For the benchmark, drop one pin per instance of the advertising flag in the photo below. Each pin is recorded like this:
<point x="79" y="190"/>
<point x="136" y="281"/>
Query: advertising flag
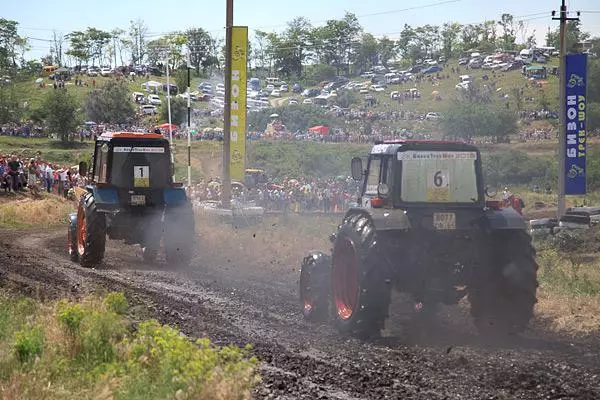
<point x="575" y="134"/>
<point x="239" y="48"/>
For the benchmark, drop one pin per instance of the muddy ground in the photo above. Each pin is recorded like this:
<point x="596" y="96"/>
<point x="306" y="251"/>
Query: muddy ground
<point x="248" y="304"/>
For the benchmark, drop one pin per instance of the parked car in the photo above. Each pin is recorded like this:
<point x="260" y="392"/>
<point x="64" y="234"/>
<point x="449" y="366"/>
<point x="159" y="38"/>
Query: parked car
<point x="463" y="61"/>
<point x="93" y="71"/>
<point x="432" y="116"/>
<point x="377" y="88"/>
<point x="297" y="88"/>
<point x="307" y="101"/>
<point x="148" y="109"/>
<point x="431" y="70"/>
<point x="293" y="102"/>
<point x="154" y="99"/>
<point x="276" y="93"/>
<point x="284" y="88"/>
<point x="106" y="71"/>
<point x="311" y="92"/>
<point x="269" y="88"/>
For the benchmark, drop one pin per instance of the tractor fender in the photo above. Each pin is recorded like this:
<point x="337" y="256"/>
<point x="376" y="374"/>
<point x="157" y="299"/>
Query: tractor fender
<point x="384" y="219"/>
<point x="174" y="196"/>
<point x="505" y="218"/>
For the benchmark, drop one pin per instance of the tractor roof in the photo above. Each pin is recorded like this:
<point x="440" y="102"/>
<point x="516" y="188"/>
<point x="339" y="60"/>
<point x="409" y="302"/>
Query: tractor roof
<point x="393" y="146"/>
<point x="130" y="135"/>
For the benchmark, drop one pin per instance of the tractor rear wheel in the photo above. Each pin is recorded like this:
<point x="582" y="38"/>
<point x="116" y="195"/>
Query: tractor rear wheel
<point x="315" y="284"/>
<point x="179" y="235"/>
<point x="91" y="233"/>
<point x="359" y="286"/>
<point x="503" y="292"/>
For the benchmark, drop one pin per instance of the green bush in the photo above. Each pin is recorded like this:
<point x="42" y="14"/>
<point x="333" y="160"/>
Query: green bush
<point x="70" y="317"/>
<point x="100" y="331"/>
<point x="29" y="343"/>
<point x="116" y="302"/>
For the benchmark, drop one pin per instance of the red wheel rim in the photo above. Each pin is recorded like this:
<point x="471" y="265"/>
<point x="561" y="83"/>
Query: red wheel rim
<point x="305" y="295"/>
<point x="81" y="232"/>
<point x="345" y="279"/>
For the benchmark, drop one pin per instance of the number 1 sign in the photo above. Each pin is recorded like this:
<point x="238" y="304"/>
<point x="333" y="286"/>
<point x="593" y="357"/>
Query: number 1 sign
<point x="141" y="176"/>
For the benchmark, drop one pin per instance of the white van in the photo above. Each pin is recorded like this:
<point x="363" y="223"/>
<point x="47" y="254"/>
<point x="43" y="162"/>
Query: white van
<point x="273" y="81"/>
<point x="526" y="54"/>
<point x="391" y="78"/>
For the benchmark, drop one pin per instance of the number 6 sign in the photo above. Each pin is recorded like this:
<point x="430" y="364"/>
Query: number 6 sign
<point x="438" y="185"/>
<point x="141" y="176"/>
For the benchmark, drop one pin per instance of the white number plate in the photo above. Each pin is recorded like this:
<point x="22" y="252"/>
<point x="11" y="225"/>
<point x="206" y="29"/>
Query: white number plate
<point x="444" y="221"/>
<point x="138" y="200"/>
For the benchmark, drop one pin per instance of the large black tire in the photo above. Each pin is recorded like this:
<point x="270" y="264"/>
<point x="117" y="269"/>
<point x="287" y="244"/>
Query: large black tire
<point x="315" y="284"/>
<point x="360" y="286"/>
<point x="179" y="235"/>
<point x="151" y="234"/>
<point x="91" y="233"/>
<point x="503" y="291"/>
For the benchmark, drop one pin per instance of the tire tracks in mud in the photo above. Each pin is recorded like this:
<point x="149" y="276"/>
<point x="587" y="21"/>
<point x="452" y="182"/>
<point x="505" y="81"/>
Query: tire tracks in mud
<point x="299" y="360"/>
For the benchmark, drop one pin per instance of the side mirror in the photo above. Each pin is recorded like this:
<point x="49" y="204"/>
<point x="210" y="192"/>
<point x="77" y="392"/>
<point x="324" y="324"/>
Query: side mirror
<point x="357" y="169"/>
<point x="83" y="168"/>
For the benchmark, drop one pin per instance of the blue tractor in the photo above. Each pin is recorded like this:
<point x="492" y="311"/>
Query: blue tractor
<point x="131" y="196"/>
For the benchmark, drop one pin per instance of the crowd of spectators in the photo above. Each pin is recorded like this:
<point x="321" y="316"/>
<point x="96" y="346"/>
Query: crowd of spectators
<point x="37" y="175"/>
<point x="303" y="195"/>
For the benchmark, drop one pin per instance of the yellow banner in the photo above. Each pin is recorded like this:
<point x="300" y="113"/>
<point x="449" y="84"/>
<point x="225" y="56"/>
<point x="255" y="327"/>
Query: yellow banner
<point x="239" y="46"/>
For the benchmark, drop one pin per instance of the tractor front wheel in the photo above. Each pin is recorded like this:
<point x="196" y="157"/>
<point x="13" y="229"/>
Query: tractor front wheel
<point x="359" y="286"/>
<point x="315" y="283"/>
<point x="91" y="233"/>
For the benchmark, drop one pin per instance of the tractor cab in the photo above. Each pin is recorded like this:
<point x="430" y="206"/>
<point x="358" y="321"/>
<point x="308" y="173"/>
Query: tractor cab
<point x="407" y="174"/>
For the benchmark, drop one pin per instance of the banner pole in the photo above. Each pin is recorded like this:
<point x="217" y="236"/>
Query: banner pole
<point x="226" y="184"/>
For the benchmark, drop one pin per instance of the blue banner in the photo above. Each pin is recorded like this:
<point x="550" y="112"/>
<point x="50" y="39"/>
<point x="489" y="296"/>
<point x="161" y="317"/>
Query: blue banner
<point x="575" y="134"/>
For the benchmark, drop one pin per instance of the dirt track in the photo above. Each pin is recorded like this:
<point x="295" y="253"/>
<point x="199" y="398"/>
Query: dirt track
<point x="245" y="304"/>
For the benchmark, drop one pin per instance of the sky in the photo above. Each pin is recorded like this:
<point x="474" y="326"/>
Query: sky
<point x="38" y="18"/>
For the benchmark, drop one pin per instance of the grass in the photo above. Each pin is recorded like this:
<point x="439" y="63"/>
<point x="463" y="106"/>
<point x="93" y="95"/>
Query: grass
<point x="90" y="349"/>
<point x="569" y="292"/>
<point x="21" y="211"/>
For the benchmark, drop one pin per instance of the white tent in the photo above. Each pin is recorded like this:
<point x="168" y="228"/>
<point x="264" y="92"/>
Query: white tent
<point x="147" y="86"/>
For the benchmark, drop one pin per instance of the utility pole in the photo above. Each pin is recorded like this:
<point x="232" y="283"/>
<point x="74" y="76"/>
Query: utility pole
<point x="169" y="112"/>
<point x="226" y="184"/>
<point x="189" y="118"/>
<point x="562" y="99"/>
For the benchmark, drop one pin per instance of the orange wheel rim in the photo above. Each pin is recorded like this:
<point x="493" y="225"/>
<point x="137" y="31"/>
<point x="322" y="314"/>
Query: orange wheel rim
<point x="81" y="232"/>
<point x="345" y="279"/>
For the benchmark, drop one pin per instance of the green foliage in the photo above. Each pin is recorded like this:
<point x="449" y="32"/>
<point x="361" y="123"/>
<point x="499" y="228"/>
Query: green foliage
<point x="181" y="79"/>
<point x="318" y="73"/>
<point x="110" y="104"/>
<point x="178" y="111"/>
<point x="116" y="302"/>
<point x="294" y="118"/>
<point x="304" y="158"/>
<point x="88" y="349"/>
<point x="70" y="317"/>
<point x="565" y="274"/>
<point x="593" y="116"/>
<point x="61" y="111"/>
<point x="29" y="344"/>
<point x="10" y="107"/>
<point x="468" y="119"/>
<point x="347" y="98"/>
<point x="516" y="167"/>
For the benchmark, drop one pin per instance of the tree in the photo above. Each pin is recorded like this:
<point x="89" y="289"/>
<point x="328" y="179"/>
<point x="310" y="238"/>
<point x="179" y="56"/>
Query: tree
<point x="10" y="42"/>
<point x="58" y="41"/>
<point x="508" y="39"/>
<point x="178" y="111"/>
<point x="10" y="110"/>
<point x="97" y="40"/>
<point x="109" y="104"/>
<point x="60" y="108"/>
<point x="367" y="52"/>
<point x="386" y="50"/>
<point x="335" y="40"/>
<point x="199" y="44"/>
<point x="181" y="79"/>
<point x="137" y="34"/>
<point x="573" y="36"/>
<point x="449" y="34"/>
<point x="80" y="46"/>
<point x="469" y="119"/>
